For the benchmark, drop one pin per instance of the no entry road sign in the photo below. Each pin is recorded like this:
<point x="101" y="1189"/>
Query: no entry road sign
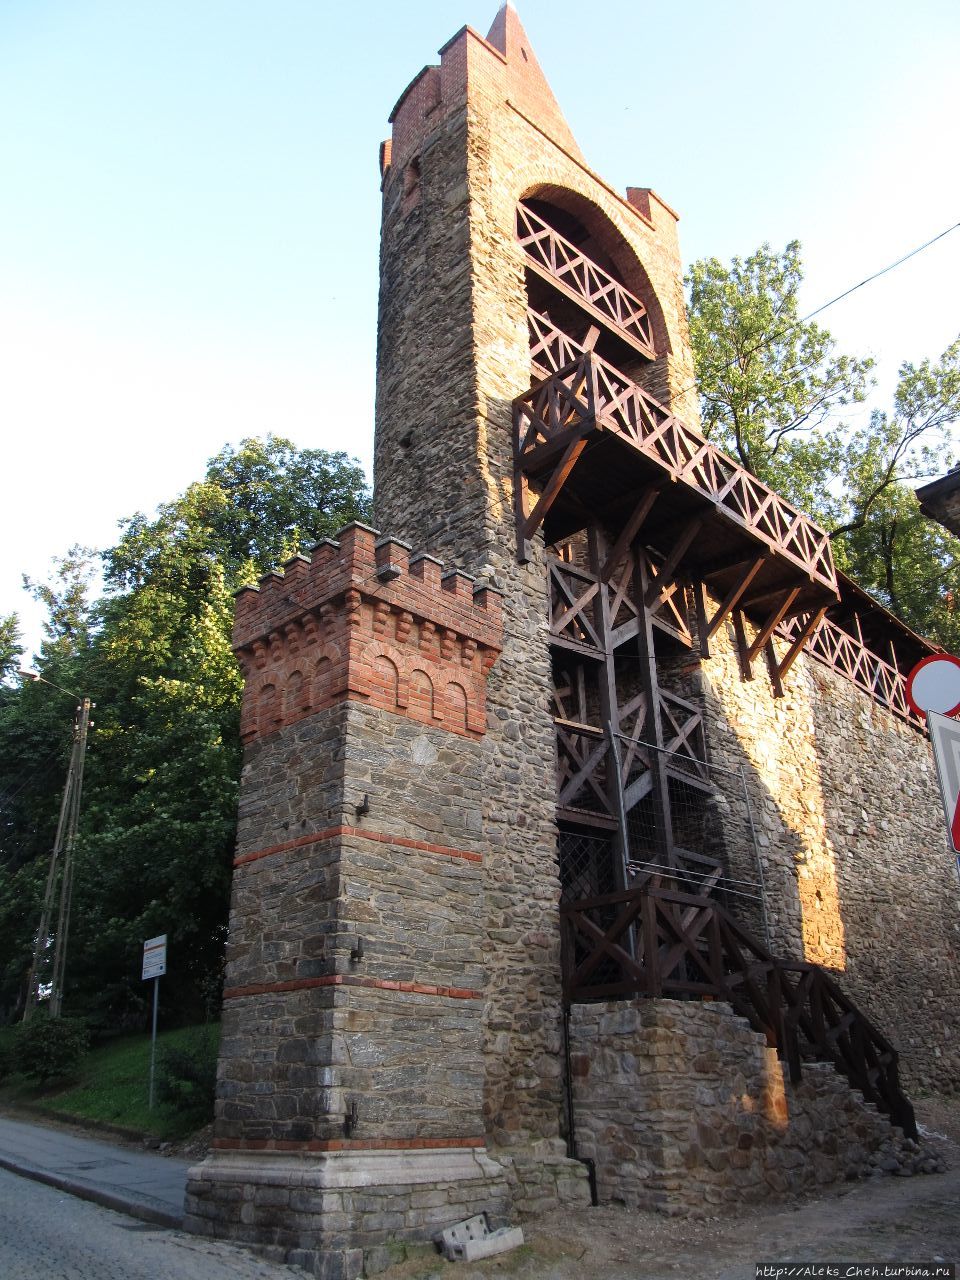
<point x="934" y="685"/>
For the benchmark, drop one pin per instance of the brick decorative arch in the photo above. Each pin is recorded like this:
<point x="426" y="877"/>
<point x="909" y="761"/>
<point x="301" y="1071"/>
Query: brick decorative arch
<point x="609" y="248"/>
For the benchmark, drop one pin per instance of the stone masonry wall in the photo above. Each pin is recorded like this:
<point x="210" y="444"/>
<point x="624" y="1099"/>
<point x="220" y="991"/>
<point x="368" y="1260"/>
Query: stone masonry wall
<point x="351" y="1081"/>
<point x="711" y="1120"/>
<point x="852" y="845"/>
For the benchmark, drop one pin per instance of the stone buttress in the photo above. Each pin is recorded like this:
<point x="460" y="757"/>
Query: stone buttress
<point x="350" y="1089"/>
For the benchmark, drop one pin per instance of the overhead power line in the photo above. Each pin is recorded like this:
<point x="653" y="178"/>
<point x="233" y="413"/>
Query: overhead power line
<point x="779" y="333"/>
<point x="877" y="274"/>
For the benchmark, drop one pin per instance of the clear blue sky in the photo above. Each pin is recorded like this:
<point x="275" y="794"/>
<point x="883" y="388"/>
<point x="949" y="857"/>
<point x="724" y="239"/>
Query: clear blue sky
<point x="190" y="206"/>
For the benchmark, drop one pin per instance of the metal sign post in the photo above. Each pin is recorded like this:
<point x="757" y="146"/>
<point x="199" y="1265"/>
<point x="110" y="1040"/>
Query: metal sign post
<point x="154" y="966"/>
<point x="945" y="739"/>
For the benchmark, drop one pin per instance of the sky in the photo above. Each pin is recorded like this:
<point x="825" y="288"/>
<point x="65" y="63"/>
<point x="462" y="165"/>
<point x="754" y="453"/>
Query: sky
<point x="189" y="208"/>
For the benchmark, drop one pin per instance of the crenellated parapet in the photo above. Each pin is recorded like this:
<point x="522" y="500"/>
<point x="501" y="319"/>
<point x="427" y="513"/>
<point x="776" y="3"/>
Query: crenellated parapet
<point x="363" y="619"/>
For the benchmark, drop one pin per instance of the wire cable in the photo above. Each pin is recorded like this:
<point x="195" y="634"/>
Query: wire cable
<point x="877" y="274"/>
<point x="775" y="337"/>
<point x="36" y="774"/>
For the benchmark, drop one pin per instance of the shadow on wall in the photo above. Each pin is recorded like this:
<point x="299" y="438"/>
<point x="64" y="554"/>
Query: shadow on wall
<point x="774" y="741"/>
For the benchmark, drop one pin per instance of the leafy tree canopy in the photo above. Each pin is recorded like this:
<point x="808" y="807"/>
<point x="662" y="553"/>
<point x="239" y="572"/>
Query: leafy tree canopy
<point x="160" y="789"/>
<point x="768" y="380"/>
<point x="773" y="390"/>
<point x="10" y="647"/>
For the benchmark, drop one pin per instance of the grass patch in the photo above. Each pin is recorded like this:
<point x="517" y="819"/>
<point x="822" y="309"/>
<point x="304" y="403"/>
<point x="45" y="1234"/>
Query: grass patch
<point x="113" y="1086"/>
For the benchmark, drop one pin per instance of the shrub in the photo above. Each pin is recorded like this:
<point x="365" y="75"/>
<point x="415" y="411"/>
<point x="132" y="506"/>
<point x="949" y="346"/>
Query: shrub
<point x="48" y="1048"/>
<point x="187" y="1078"/>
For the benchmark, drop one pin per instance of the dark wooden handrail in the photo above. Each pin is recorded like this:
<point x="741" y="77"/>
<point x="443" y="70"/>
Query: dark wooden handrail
<point x="654" y="941"/>
<point x="590" y="395"/>
<point x="571" y="271"/>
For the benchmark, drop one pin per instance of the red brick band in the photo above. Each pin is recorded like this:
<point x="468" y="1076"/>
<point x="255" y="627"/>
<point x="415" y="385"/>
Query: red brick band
<point x="380" y="837"/>
<point x="352" y="980"/>
<point x="349" y="1144"/>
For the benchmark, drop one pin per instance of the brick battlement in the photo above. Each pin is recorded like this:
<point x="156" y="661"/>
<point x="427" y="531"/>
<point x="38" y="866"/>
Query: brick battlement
<point x="362" y="619"/>
<point x="501" y="67"/>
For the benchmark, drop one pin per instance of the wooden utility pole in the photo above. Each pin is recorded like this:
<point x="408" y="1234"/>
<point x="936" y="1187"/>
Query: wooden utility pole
<point x="59" y="890"/>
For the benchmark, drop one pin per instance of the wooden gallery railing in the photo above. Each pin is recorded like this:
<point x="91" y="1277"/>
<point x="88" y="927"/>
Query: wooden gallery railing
<point x="589" y="394"/>
<point x="555" y="258"/>
<point x="653" y="941"/>
<point x="850" y="657"/>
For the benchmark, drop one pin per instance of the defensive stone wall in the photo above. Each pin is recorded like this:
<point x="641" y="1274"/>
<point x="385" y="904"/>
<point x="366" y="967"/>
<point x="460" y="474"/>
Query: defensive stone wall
<point x="685" y="1109"/>
<point x="851" y="841"/>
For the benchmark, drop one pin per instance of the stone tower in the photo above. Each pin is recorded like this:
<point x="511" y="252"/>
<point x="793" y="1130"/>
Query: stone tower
<point x="392" y="1053"/>
<point x="477" y="142"/>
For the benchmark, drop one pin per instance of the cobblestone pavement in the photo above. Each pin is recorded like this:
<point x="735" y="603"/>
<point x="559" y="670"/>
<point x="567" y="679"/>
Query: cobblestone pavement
<point x="48" y="1235"/>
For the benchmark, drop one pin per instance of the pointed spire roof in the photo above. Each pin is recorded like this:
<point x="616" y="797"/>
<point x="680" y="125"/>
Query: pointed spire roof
<point x="527" y="85"/>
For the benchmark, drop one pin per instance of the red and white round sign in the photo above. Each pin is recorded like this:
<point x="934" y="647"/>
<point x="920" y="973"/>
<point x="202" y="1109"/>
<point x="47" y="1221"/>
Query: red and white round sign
<point x="934" y="685"/>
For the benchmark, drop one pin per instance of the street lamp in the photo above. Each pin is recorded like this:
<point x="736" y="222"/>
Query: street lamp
<point x="63" y="845"/>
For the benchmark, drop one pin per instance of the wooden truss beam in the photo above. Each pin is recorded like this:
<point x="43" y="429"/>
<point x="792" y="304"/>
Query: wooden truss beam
<point x="728" y="604"/>
<point x="527" y="525"/>
<point x="630" y="530"/>
<point x="780" y="611"/>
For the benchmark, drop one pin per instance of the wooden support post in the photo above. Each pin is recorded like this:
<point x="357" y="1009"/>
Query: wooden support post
<point x="609" y="703"/>
<point x="700" y="604"/>
<point x="743" y="649"/>
<point x="653" y="730"/>
<point x="773" y="668"/>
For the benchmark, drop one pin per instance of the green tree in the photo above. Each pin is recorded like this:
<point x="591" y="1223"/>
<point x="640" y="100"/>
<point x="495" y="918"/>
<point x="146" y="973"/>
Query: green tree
<point x="773" y="391"/>
<point x="879" y="534"/>
<point x="36" y="723"/>
<point x="11" y="648"/>
<point x="160" y="790"/>
<point x="258" y="504"/>
<point x="769" y="383"/>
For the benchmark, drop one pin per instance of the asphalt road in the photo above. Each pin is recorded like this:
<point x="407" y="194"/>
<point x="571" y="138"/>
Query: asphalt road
<point x="46" y="1234"/>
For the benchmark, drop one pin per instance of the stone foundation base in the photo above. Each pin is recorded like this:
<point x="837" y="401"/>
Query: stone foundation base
<point x="685" y="1109"/>
<point x="324" y="1211"/>
<point x="541" y="1177"/>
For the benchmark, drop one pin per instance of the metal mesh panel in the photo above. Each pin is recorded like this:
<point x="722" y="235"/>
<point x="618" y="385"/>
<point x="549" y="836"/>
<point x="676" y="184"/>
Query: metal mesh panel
<point x="587" y="870"/>
<point x="713" y="846"/>
<point x="586" y="866"/>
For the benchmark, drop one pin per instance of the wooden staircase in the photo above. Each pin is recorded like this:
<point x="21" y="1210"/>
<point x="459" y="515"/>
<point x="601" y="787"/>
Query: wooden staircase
<point x="656" y="941"/>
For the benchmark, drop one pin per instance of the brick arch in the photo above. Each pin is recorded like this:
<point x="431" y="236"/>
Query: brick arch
<point x="456" y="703"/>
<point x="607" y="245"/>
<point x="296" y="696"/>
<point x="422" y="694"/>
<point x="386" y="674"/>
<point x="323" y="676"/>
<point x="269" y="715"/>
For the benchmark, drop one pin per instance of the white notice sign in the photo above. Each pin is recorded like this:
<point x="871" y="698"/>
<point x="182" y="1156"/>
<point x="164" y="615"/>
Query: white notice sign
<point x="155" y="957"/>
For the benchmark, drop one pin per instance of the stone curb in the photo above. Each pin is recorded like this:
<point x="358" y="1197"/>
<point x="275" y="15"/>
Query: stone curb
<point x="131" y="1206"/>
